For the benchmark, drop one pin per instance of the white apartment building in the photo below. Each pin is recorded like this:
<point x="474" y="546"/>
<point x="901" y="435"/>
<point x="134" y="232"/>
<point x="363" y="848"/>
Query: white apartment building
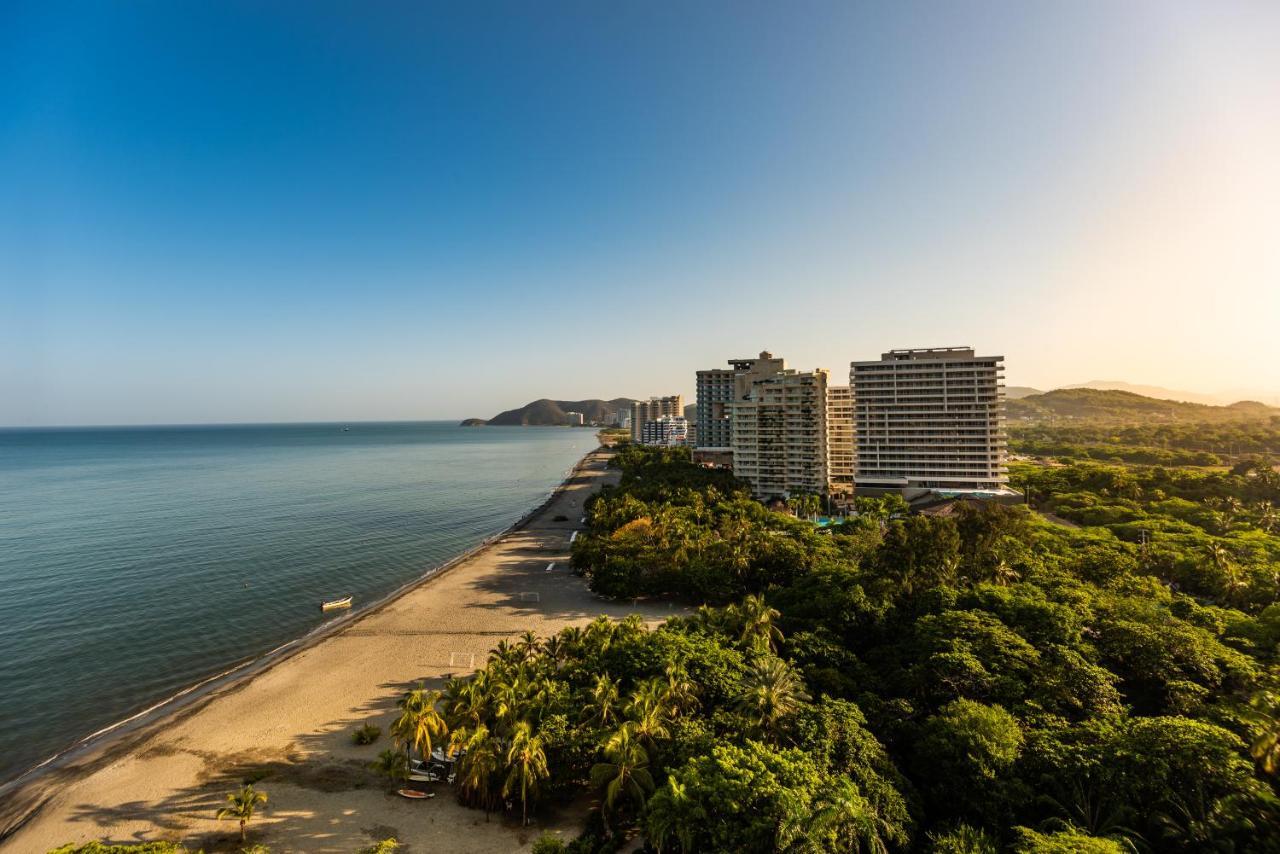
<point x="665" y="430"/>
<point x="652" y="409"/>
<point x="779" y="434"/>
<point x="930" y="419"/>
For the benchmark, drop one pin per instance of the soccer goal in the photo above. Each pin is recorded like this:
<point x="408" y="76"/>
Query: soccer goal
<point x="529" y="596"/>
<point x="460" y="659"/>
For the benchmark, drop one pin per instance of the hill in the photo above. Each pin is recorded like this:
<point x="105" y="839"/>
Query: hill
<point x="1017" y="392"/>
<point x="1220" y="398"/>
<point x="1126" y="406"/>
<point x="554" y="413"/>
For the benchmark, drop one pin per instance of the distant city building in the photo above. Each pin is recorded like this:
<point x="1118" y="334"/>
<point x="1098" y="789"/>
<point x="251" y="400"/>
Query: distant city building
<point x="717" y="389"/>
<point x="930" y="419"/>
<point x="841" y="456"/>
<point x="653" y="409"/>
<point x="779" y="434"/>
<point x="665" y="430"/>
<point x="576" y="419"/>
<point x="621" y="418"/>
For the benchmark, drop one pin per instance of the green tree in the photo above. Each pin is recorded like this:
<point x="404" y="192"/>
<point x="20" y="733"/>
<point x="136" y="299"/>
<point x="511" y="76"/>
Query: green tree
<point x="481" y="760"/>
<point x="738" y="798"/>
<point x="602" y="703"/>
<point x="625" y="770"/>
<point x="758" y="630"/>
<point x="772" y="692"/>
<point x="1264" y="717"/>
<point x="527" y="767"/>
<point x="241" y="806"/>
<point x="673" y="816"/>
<point x="841" y="820"/>
<point x="420" y="722"/>
<point x="963" y="754"/>
<point x="391" y="764"/>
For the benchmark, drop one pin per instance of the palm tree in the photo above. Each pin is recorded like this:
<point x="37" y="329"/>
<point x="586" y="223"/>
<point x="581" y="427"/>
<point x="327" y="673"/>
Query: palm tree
<point x="1268" y="516"/>
<point x="681" y="693"/>
<point x="604" y="699"/>
<point x="624" y="771"/>
<point x="599" y="633"/>
<point x="843" y="820"/>
<point x="647" y="708"/>
<point x="573" y="637"/>
<point x="758" y="631"/>
<point x="1231" y="580"/>
<point x="528" y="646"/>
<point x="419" y="722"/>
<point x="504" y="652"/>
<point x="468" y="704"/>
<point x="772" y="693"/>
<point x="391" y="764"/>
<point x="1002" y="574"/>
<point x="481" y="760"/>
<point x="672" y="814"/>
<point x="556" y="648"/>
<point x="527" y="765"/>
<point x="241" y="806"/>
<point x="1265" y="717"/>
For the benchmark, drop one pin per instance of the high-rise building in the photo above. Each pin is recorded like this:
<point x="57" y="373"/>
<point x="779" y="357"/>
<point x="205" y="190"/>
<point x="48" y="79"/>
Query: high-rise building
<point x="653" y="409"/>
<point x="665" y="430"/>
<point x="779" y="434"/>
<point x="840" y="444"/>
<point x="576" y="419"/>
<point x="930" y="419"/>
<point x="717" y="389"/>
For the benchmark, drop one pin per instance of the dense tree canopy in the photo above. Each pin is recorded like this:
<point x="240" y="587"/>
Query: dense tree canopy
<point x="989" y="680"/>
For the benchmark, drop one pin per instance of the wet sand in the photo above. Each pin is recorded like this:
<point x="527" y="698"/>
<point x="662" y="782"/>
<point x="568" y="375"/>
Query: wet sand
<point x="293" y="721"/>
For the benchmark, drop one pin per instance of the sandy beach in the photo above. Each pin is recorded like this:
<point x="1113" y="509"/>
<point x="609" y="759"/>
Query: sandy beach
<point x="293" y="721"/>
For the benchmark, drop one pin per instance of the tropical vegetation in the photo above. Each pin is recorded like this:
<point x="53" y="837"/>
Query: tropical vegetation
<point x="241" y="806"/>
<point x="1098" y="673"/>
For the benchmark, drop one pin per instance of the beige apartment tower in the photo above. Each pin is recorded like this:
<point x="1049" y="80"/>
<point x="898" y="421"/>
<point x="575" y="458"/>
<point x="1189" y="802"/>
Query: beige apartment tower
<point x="717" y="390"/>
<point x="930" y="419"/>
<point x="651" y="410"/>
<point x="841" y="457"/>
<point x="779" y="434"/>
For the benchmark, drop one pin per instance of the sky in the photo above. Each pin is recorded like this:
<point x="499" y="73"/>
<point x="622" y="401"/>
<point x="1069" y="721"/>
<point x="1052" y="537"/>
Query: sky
<point x="219" y="212"/>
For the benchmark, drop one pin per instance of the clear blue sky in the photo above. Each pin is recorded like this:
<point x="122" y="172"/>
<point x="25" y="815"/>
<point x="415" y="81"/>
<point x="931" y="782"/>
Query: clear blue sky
<point x="294" y="211"/>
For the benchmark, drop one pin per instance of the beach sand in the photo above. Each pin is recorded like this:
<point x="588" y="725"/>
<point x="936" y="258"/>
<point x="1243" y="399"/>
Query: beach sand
<point x="294" y="720"/>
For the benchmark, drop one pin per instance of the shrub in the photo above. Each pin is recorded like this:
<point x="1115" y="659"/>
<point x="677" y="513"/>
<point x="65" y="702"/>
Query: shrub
<point x="366" y="734"/>
<point x="549" y="843"/>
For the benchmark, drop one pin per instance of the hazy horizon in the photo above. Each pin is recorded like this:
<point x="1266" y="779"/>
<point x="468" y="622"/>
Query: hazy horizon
<point x="224" y="213"/>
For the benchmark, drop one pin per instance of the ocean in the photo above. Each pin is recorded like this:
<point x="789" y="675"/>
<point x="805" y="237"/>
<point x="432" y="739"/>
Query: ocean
<point x="135" y="562"/>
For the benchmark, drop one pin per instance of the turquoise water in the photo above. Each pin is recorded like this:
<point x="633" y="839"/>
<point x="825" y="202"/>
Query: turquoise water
<point x="136" y="561"/>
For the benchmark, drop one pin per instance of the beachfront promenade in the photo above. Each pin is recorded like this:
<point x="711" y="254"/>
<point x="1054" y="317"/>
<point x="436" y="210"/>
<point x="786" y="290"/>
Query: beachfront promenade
<point x="293" y="722"/>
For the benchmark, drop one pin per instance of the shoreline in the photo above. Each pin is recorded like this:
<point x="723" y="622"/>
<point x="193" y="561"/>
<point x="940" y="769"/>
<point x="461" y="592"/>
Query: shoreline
<point x="27" y="795"/>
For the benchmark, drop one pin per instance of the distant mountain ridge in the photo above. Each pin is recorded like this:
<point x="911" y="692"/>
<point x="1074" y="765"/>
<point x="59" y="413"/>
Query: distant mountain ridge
<point x="1117" y="405"/>
<point x="555" y="413"/>
<point x="1017" y="392"/>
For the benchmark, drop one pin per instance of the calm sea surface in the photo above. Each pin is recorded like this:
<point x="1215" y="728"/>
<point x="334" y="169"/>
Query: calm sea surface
<point x="135" y="561"/>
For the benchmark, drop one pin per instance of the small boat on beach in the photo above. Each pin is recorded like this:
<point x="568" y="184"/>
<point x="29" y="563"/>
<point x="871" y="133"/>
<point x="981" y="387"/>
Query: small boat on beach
<point x="414" y="794"/>
<point x="334" y="604"/>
